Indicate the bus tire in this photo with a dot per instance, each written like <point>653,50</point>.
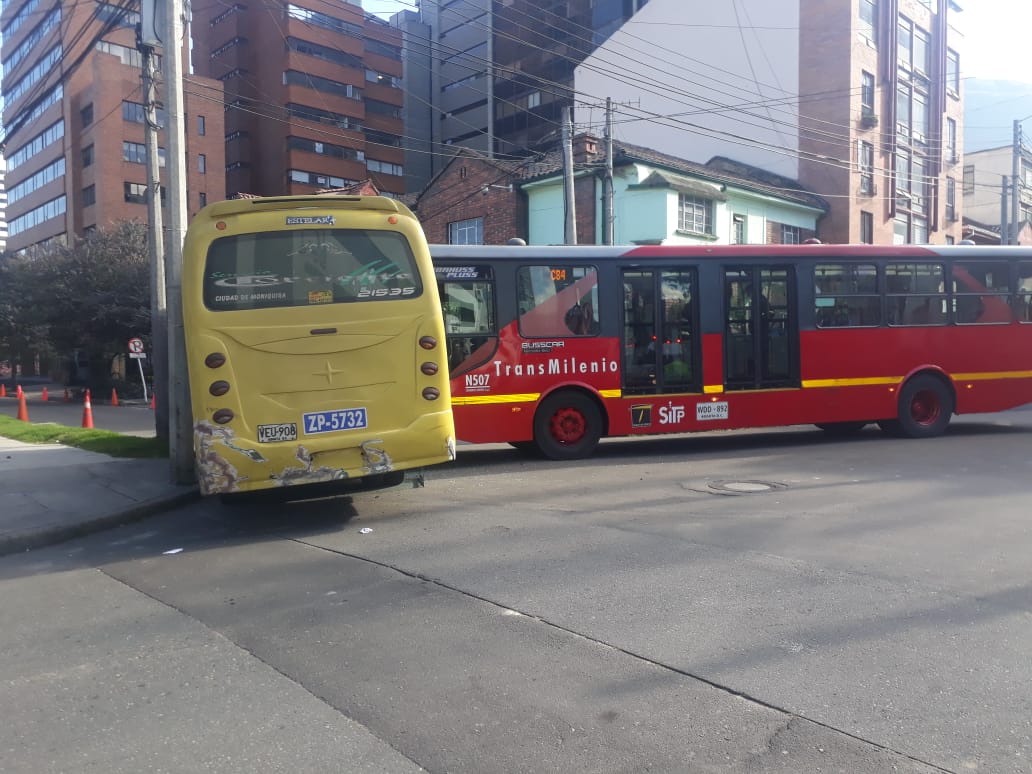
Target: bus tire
<point>925,408</point>
<point>840,429</point>
<point>567,426</point>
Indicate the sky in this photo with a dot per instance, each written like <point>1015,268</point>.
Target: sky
<point>995,35</point>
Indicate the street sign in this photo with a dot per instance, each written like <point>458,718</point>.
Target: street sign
<point>136,353</point>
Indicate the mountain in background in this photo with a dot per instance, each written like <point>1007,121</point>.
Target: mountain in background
<point>990,109</point>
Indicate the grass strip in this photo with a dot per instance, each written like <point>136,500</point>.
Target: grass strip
<point>101,441</point>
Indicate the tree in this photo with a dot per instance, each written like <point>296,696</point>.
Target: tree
<point>22,336</point>
<point>91,296</point>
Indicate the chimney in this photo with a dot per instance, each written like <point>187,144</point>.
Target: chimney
<point>585,148</point>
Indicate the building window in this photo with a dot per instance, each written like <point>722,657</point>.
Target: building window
<point>951,199</point>
<point>951,141</point>
<point>51,134</point>
<point>385,167</point>
<point>868,20</point>
<point>87,155</point>
<point>466,232</point>
<point>919,114</point>
<point>133,111</point>
<point>969,179</point>
<point>86,114</point>
<point>911,182</point>
<point>904,42</point>
<point>950,240</point>
<point>203,198</point>
<point>867,94</point>
<point>866,228</point>
<point>694,214</point>
<point>202,163</point>
<point>89,195</point>
<point>738,234</point>
<point>953,73</point>
<point>922,53</point>
<point>135,193</point>
<point>791,235</point>
<point>134,152</point>
<point>865,154</point>
<point>200,125</point>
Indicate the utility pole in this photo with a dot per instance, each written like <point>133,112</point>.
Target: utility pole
<point>571,210</point>
<point>155,244</point>
<point>1015,184</point>
<point>180,416</point>
<point>610,235</point>
<point>1004,204</point>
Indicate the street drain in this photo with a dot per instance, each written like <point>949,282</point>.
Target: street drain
<point>736,487</point>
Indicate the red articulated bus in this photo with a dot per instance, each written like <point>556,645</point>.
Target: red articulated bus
<point>553,348</point>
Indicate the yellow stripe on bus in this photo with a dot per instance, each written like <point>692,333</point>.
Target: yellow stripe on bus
<point>483,400</point>
<point>992,375</point>
<point>713,389</point>
<point>862,382</point>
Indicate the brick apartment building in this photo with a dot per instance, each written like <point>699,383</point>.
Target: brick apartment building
<point>890,70</point>
<point>313,94</point>
<point>860,101</point>
<point>73,122</point>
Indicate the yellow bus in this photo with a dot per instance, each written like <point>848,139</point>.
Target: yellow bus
<point>315,344</point>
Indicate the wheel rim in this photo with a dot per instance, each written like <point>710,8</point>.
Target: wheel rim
<point>568,426</point>
<point>925,407</point>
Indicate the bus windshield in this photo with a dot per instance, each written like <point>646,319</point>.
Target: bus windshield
<point>305,267</point>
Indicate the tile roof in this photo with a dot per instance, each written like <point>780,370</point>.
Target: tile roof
<point>719,169</point>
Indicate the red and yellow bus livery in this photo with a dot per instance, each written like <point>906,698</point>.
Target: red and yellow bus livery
<point>553,348</point>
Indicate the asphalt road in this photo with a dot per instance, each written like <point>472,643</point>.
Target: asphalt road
<point>766,601</point>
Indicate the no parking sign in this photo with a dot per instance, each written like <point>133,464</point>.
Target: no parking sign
<point>136,353</point>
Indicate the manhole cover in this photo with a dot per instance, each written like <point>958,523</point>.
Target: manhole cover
<point>734,487</point>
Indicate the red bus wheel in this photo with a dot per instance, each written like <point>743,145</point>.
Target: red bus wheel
<point>925,407</point>
<point>567,426</point>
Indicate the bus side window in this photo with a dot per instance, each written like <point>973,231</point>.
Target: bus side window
<point>469,323</point>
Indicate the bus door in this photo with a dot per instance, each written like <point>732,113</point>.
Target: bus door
<point>470,323</point>
<point>660,325</point>
<point>761,333</point>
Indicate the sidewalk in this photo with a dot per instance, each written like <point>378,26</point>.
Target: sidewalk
<point>51,493</point>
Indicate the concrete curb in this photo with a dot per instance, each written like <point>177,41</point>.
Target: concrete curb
<point>59,533</point>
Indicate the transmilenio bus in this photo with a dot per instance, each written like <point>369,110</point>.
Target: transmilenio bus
<point>555,347</point>
<point>315,344</point>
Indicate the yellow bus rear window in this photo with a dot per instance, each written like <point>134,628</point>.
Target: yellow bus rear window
<point>307,267</point>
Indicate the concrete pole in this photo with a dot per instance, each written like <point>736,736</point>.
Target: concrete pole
<point>608,193</point>
<point>156,247</point>
<point>180,416</point>
<point>1015,185</point>
<point>1004,203</point>
<point>571,210</point>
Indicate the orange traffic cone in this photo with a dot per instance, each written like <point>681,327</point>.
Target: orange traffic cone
<point>114,397</point>
<point>3,390</point>
<point>23,410</point>
<point>45,395</point>
<point>153,400</point>
<point>87,411</point>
